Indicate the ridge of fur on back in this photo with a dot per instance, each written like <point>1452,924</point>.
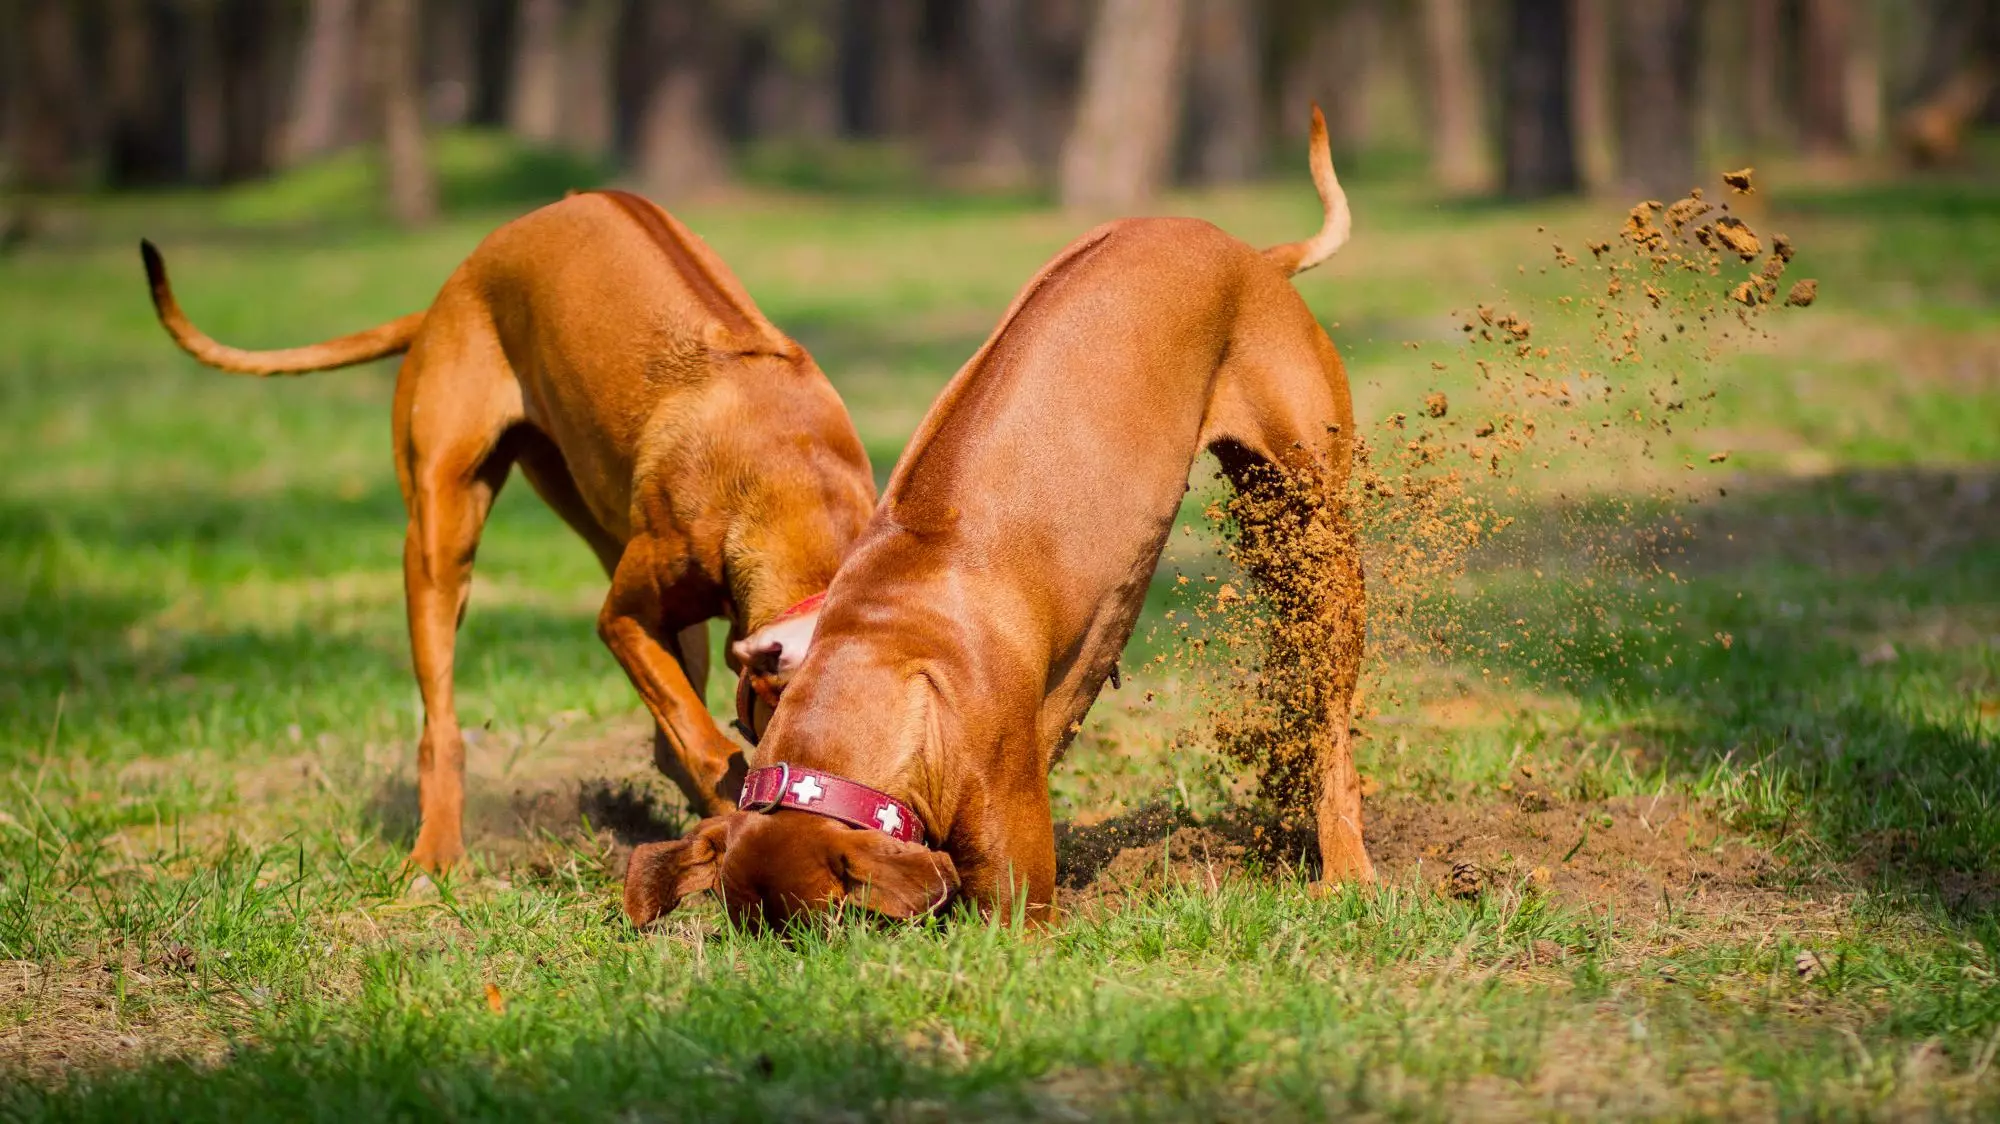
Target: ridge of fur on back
<point>1297,257</point>
<point>735,326</point>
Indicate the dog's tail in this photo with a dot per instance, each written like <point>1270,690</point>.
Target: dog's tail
<point>382,340</point>
<point>1297,257</point>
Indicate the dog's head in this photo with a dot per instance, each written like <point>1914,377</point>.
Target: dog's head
<point>774,868</point>
<point>767,659</point>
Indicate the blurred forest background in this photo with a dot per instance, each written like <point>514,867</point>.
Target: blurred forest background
<point>1098,103</point>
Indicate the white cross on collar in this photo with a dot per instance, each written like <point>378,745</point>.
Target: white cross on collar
<point>889,819</point>
<point>807,790</point>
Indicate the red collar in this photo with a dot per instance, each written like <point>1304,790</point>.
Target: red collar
<point>748,688</point>
<point>823,794</point>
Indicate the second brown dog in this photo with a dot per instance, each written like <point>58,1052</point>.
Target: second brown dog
<point>607,353</point>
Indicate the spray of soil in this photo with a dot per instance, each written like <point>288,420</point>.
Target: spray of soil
<point>1565,388</point>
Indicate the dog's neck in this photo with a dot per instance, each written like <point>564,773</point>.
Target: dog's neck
<point>769,568</point>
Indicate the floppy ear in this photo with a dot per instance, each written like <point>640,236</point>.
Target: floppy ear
<point>893,878</point>
<point>661,874</point>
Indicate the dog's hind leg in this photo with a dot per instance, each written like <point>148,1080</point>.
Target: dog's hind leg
<point>455,404</point>
<point>1281,425</point>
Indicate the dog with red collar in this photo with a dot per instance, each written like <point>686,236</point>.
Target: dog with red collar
<point>970,629</point>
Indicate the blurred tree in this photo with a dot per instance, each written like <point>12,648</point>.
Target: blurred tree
<point>1657,49</point>
<point>1346,43</point>
<point>238,67</point>
<point>586,94</point>
<point>393,51</point>
<point>142,143</point>
<point>1763,69</point>
<point>791,77</point>
<point>1008,90</point>
<point>207,97</point>
<point>1864,85</point>
<point>1538,152</point>
<point>1590,92</point>
<point>534,104</point>
<point>48,131</point>
<point>495,24</point>
<point>1128,109</point>
<point>678,149</point>
<point>1451,74</point>
<point>325,113</point>
<point>1225,118</point>
<point>451,59</point>
<point>1825,28</point>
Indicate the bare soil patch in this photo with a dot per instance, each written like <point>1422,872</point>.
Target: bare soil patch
<point>1634,855</point>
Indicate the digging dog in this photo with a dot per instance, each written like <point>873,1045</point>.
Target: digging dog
<point>604,350</point>
<point>979,614</point>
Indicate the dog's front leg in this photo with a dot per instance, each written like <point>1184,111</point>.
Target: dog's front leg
<point>1013,868</point>
<point>636,627</point>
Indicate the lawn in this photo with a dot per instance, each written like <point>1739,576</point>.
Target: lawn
<point>1714,839</point>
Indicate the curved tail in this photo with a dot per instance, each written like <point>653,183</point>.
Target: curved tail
<point>1297,257</point>
<point>382,340</point>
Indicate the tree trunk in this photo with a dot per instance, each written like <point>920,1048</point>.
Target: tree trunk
<point>255,36</point>
<point>1356,31</point>
<point>1328,56</point>
<point>1007,91</point>
<point>900,89</point>
<point>1458,157</point>
<point>324,108</point>
<point>494,27</point>
<point>534,109</point>
<point>207,110</point>
<point>142,134</point>
<point>450,71</point>
<point>679,150</point>
<point>1590,92</point>
<point>1764,39</point>
<point>1539,155</point>
<point>1226,103</point>
<point>1657,53</point>
<point>1862,80</point>
<point>586,99</point>
<point>1128,109</point>
<point>1825,27</point>
<point>399,108</point>
<point>46,97</point>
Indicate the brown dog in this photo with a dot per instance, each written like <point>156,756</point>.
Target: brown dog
<point>979,614</point>
<point>607,352</point>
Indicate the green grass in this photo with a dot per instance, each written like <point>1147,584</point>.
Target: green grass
<point>207,725</point>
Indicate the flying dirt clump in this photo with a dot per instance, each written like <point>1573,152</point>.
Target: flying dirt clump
<point>1578,385</point>
<point>1737,237</point>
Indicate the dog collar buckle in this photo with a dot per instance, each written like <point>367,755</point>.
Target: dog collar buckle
<point>762,792</point>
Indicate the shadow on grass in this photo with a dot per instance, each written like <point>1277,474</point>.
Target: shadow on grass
<point>207,619</point>
<point>1822,655</point>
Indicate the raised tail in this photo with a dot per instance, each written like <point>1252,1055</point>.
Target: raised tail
<point>1297,257</point>
<point>382,340</point>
